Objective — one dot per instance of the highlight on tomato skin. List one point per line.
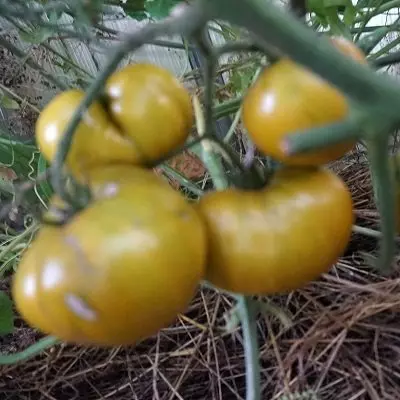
(118, 271)
(288, 98)
(280, 238)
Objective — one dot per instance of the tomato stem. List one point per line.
(385, 198)
(31, 351)
(320, 137)
(248, 309)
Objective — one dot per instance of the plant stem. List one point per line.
(385, 197)
(392, 58)
(18, 98)
(321, 137)
(182, 179)
(385, 49)
(31, 351)
(248, 315)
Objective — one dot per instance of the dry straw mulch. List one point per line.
(343, 342)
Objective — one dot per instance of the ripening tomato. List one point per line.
(96, 141)
(288, 98)
(151, 107)
(277, 239)
(119, 271)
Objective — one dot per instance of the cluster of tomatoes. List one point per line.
(131, 261)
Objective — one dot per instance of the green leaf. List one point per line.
(6, 315)
(8, 102)
(159, 9)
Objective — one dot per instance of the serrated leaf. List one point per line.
(135, 9)
(159, 9)
(6, 315)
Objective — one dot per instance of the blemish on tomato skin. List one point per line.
(79, 307)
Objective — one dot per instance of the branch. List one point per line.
(392, 58)
(247, 310)
(30, 352)
(384, 193)
(320, 137)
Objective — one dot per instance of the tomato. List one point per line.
(288, 98)
(96, 141)
(119, 271)
(151, 107)
(277, 239)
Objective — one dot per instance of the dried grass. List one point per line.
(343, 343)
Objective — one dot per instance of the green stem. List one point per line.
(393, 58)
(321, 137)
(188, 21)
(384, 49)
(379, 10)
(369, 232)
(182, 179)
(18, 98)
(385, 197)
(227, 108)
(248, 315)
(31, 351)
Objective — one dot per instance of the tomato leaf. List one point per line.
(159, 9)
(8, 102)
(6, 315)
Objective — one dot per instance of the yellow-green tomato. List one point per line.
(119, 271)
(151, 107)
(288, 98)
(96, 140)
(277, 239)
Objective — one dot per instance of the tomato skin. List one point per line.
(96, 141)
(277, 239)
(151, 107)
(288, 98)
(120, 270)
